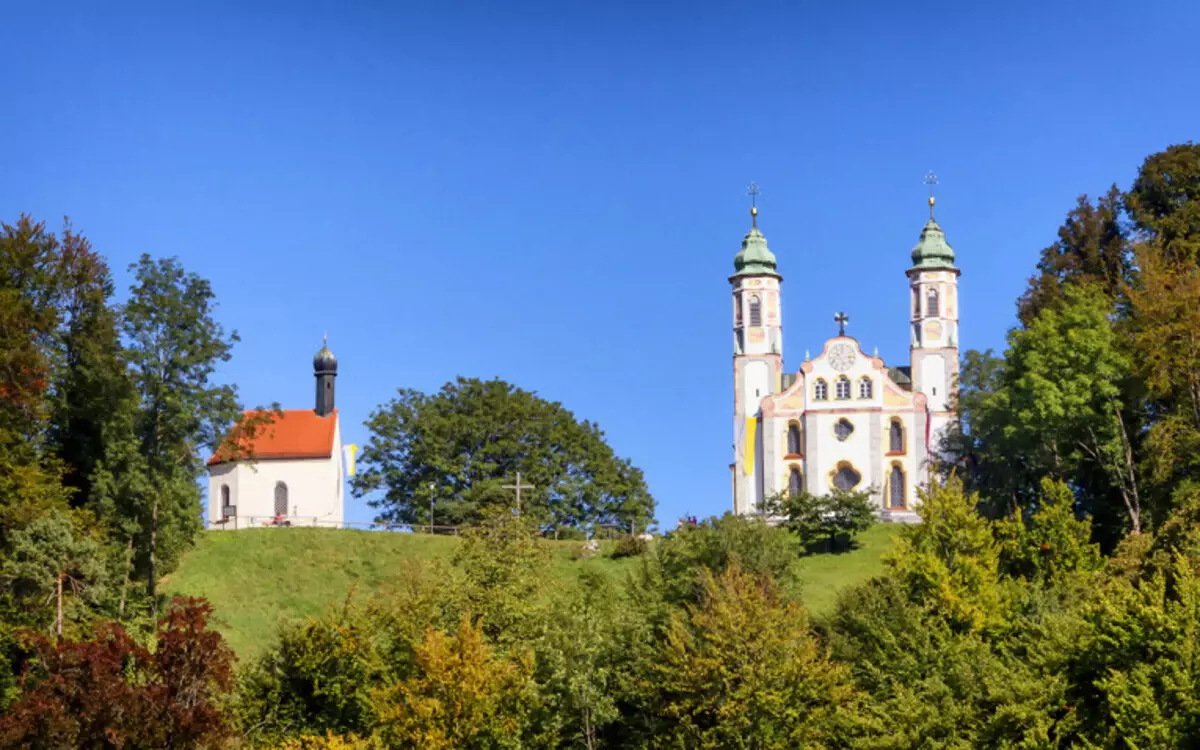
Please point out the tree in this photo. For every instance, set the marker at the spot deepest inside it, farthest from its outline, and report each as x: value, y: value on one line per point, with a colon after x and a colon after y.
x: 814, y: 518
x: 1164, y: 202
x: 50, y: 560
x: 174, y: 347
x: 110, y: 691
x: 1049, y: 542
x: 742, y: 669
x: 1092, y: 249
x: 463, y: 695
x: 472, y: 437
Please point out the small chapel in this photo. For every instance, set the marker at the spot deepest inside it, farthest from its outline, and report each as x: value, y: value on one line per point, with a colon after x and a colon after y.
x: 295, y: 475
x: 844, y: 420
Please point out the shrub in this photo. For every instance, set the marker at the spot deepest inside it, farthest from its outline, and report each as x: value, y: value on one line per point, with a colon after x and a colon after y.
x: 630, y: 546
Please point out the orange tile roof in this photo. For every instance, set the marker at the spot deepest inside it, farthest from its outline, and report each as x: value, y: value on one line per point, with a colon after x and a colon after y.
x: 298, y: 433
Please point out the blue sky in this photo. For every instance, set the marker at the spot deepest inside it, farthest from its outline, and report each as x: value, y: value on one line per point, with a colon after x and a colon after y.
x: 553, y: 192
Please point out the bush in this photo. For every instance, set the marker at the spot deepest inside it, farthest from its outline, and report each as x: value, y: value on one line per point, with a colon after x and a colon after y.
x: 630, y: 546
x: 826, y: 519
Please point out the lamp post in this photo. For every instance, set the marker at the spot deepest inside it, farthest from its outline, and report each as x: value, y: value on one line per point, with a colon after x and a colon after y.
x: 431, y: 507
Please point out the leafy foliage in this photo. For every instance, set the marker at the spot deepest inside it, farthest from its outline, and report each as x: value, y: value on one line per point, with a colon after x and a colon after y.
x: 839, y: 515
x: 472, y: 437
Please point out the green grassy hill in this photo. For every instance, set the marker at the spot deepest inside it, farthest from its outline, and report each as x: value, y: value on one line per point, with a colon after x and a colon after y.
x: 257, y: 577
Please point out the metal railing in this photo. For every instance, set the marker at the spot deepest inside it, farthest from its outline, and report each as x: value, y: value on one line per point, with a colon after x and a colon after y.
x: 231, y: 523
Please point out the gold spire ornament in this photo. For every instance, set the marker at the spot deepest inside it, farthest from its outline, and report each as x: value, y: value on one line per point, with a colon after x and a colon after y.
x: 931, y: 180
x: 753, y: 191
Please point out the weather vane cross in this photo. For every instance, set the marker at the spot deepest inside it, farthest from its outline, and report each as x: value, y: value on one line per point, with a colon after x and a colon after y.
x: 753, y: 191
x: 931, y: 180
x: 841, y: 319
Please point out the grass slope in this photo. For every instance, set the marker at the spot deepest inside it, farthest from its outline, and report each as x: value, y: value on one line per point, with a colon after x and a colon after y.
x: 257, y: 577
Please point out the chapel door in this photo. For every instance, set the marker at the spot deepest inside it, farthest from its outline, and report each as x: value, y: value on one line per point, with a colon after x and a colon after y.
x: 281, y: 499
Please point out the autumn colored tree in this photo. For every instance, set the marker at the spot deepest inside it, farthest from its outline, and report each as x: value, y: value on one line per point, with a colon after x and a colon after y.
x: 742, y: 669
x: 463, y: 695
x: 110, y: 691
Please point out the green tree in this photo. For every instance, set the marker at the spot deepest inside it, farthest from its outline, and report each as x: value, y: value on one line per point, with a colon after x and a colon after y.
x: 1050, y: 542
x: 174, y: 347
x: 1164, y: 202
x: 49, y: 560
x: 742, y: 669
x: 826, y: 518
x: 1093, y: 250
x: 472, y: 437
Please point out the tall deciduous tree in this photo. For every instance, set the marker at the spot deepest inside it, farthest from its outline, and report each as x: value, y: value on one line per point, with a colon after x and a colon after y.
x: 461, y: 445
x: 1165, y: 201
x: 174, y: 345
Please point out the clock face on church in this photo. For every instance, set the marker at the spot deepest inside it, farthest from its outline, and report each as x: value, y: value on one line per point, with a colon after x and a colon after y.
x: 841, y: 357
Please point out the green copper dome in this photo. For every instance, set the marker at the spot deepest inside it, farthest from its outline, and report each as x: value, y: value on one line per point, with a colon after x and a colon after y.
x: 933, y: 251
x: 754, y: 259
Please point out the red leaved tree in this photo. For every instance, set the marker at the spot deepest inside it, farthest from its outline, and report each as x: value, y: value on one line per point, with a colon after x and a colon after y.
x: 110, y: 691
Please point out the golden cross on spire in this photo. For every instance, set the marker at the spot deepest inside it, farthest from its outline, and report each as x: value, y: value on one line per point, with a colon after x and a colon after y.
x: 931, y: 180
x: 753, y: 191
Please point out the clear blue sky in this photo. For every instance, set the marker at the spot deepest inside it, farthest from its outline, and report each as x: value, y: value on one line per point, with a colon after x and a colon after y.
x: 553, y: 192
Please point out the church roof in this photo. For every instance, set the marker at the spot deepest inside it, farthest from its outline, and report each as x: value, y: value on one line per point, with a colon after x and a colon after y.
x: 297, y: 433
x: 932, y: 251
x: 755, y: 259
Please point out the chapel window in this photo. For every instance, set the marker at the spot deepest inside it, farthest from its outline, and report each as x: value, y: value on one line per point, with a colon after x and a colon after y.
x: 843, y: 388
x: 846, y: 478
x: 226, y: 506
x: 795, y: 482
x: 843, y: 429
x: 281, y: 499
x: 755, y: 311
x: 821, y: 390
x: 896, y: 437
x: 865, y: 388
x: 793, y: 439
x: 931, y: 305
x: 896, y: 488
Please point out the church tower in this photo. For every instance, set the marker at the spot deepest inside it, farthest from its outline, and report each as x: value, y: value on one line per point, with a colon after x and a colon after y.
x: 325, y: 370
x: 933, y: 281
x: 757, y: 358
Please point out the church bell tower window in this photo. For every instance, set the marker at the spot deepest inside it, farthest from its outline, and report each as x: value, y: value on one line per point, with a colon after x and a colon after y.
x: 755, y: 311
x: 931, y: 305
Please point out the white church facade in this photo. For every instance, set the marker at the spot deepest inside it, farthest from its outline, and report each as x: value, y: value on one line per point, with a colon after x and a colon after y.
x: 295, y: 476
x: 844, y: 420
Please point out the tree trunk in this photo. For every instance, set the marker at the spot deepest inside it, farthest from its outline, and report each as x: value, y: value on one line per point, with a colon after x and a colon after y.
x: 58, y: 617
x: 125, y: 583
x: 151, y: 584
x: 1132, y: 500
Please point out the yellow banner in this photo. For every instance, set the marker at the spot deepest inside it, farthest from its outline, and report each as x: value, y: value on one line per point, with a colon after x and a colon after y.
x: 748, y: 449
x: 350, y: 450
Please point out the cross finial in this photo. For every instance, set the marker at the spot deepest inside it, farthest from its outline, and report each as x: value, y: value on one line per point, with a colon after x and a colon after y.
x: 753, y: 191
x: 841, y: 319
x: 931, y: 180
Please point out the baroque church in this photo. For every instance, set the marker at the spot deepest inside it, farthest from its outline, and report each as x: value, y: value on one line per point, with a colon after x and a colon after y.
x: 844, y: 420
x: 296, y: 476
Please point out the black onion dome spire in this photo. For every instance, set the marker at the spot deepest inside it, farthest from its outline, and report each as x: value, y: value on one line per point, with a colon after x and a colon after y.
x: 324, y: 361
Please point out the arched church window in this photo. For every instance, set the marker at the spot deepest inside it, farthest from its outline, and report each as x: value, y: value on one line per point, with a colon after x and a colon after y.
x: 931, y: 305
x: 896, y: 488
x: 737, y: 310
x: 896, y: 437
x: 842, y: 388
x: 281, y: 499
x: 793, y: 439
x: 226, y: 505
x: 865, y: 388
x: 795, y: 482
x: 821, y: 390
x: 755, y: 311
x: 843, y: 429
x: 916, y: 295
x: 846, y: 478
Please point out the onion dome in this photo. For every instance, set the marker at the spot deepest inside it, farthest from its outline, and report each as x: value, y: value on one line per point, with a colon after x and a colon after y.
x: 754, y: 259
x: 324, y: 361
x: 932, y: 251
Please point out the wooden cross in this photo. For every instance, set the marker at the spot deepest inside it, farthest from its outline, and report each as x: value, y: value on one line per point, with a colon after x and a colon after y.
x: 518, y: 487
x: 753, y: 191
x: 841, y: 319
x: 931, y: 180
